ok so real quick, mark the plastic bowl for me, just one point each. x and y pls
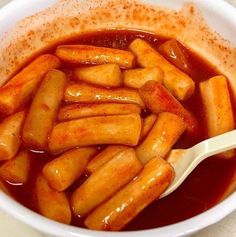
(221, 17)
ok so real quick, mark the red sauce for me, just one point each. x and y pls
(201, 190)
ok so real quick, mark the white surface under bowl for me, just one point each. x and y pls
(221, 17)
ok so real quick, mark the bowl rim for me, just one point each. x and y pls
(185, 227)
(47, 226)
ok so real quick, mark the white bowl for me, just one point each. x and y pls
(221, 17)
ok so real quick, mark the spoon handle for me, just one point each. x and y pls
(216, 145)
(191, 157)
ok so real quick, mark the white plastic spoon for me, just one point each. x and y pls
(185, 161)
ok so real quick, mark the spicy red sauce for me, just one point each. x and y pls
(201, 190)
